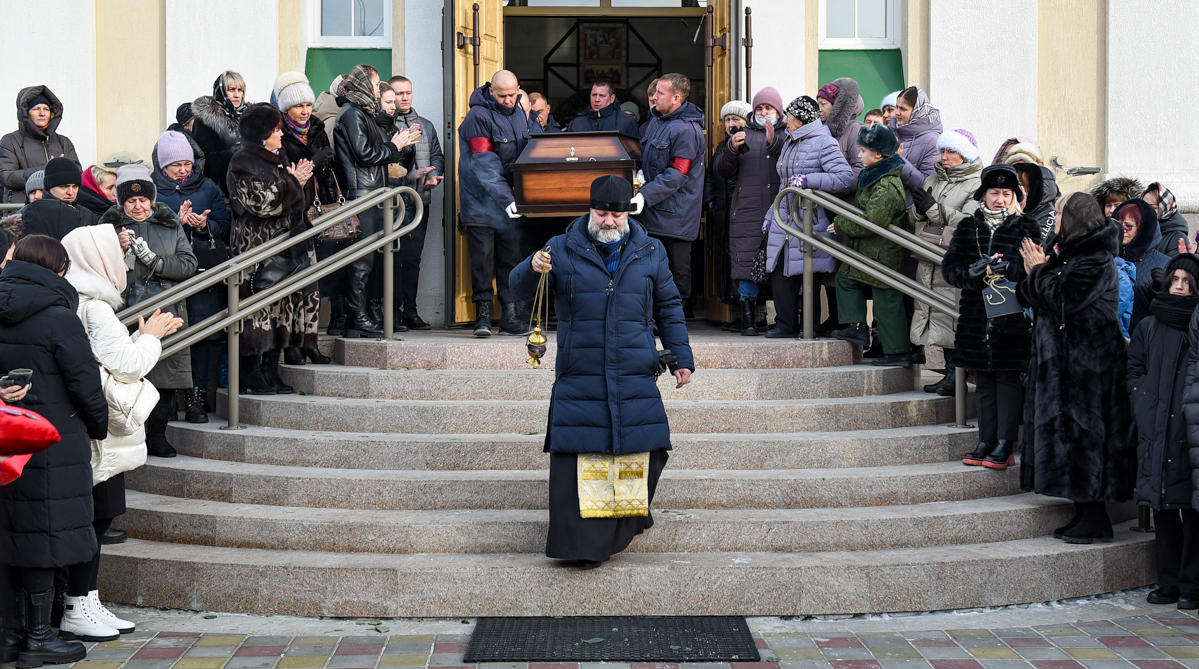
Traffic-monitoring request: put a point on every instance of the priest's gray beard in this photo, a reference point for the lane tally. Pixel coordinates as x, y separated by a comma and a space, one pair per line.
605, 236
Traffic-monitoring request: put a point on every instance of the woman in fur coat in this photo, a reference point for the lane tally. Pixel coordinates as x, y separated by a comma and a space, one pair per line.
1079, 440
215, 130
995, 348
267, 199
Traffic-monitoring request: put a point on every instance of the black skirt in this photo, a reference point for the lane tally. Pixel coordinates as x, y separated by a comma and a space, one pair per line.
108, 498
572, 537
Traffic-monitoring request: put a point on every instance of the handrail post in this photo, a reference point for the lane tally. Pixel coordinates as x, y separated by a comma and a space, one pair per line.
232, 284
388, 273
809, 213
959, 398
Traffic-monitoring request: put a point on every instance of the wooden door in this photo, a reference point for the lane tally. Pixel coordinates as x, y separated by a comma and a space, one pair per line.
719, 92
490, 59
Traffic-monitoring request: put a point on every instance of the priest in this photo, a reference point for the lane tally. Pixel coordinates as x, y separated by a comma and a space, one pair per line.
608, 435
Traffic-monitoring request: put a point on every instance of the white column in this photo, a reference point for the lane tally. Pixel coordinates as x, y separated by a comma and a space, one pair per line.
983, 68
59, 53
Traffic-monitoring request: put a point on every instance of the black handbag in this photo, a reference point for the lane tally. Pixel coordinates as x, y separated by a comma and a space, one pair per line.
277, 267
757, 272
999, 297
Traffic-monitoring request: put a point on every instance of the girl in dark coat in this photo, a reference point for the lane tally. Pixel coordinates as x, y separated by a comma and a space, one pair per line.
1078, 434
750, 157
268, 201
46, 515
995, 348
1142, 234
1157, 375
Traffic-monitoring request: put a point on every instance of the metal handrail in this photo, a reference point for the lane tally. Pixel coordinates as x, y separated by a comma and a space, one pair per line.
230, 319
860, 262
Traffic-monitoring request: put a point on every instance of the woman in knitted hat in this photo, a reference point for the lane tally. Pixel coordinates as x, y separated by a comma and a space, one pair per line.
887, 106
160, 256
1079, 438
840, 105
750, 157
946, 198
809, 158
304, 138
1158, 356
268, 201
215, 128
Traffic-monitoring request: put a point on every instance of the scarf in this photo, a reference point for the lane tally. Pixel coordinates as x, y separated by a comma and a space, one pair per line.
1174, 310
356, 87
300, 132
96, 250
610, 252
1167, 204
89, 182
873, 174
219, 97
993, 219
924, 108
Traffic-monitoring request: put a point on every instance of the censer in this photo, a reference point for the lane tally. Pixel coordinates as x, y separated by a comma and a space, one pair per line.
536, 340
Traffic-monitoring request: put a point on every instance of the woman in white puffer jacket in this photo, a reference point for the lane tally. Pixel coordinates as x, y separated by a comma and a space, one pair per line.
97, 272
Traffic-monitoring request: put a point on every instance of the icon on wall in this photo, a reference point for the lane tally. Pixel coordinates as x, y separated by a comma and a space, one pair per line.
602, 51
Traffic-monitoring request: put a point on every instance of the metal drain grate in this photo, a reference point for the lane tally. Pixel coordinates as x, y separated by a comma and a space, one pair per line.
614, 639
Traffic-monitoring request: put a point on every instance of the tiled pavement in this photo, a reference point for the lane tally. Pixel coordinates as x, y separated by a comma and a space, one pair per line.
1168, 640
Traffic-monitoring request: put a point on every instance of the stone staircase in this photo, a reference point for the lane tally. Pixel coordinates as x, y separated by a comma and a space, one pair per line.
409, 481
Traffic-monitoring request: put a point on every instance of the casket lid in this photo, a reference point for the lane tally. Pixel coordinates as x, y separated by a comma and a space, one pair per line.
583, 147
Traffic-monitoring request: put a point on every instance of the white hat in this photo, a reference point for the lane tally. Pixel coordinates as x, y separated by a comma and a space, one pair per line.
291, 89
737, 107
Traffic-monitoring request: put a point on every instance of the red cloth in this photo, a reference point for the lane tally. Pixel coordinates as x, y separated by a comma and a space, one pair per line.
11, 469
89, 182
480, 144
681, 164
23, 432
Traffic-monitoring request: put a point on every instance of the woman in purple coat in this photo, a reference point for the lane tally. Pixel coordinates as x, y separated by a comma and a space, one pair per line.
810, 158
917, 124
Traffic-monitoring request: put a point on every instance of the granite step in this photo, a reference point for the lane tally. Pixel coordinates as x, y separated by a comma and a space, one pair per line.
207, 523
315, 412
237, 482
524, 384
448, 585
712, 350
358, 450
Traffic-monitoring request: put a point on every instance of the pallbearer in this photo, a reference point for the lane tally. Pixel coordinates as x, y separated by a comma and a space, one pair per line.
608, 434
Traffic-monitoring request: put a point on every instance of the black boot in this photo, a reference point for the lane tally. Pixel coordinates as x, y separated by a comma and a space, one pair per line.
854, 333
337, 316
511, 324
195, 406
42, 645
252, 382
293, 356
1002, 457
413, 321
12, 615
375, 310
270, 372
918, 355
1095, 524
156, 427
359, 325
749, 319
1057, 533
875, 348
315, 355
397, 321
893, 360
946, 386
482, 319
976, 457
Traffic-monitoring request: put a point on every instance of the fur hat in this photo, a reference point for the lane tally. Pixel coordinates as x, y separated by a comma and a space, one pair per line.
961, 142
736, 108
291, 89
999, 176
611, 193
34, 182
880, 138
804, 109
134, 181
173, 147
258, 122
60, 172
891, 100
1126, 187
767, 96
829, 92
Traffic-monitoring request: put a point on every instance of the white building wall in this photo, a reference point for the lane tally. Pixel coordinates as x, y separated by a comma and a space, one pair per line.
983, 68
59, 54
1152, 70
203, 39
778, 48
422, 58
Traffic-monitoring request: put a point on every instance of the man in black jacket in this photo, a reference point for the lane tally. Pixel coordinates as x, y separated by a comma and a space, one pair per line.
423, 176
56, 214
604, 113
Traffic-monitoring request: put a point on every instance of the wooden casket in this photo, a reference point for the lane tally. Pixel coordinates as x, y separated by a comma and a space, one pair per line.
553, 176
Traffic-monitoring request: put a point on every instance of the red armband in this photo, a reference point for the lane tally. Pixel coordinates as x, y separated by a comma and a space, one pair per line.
480, 144
681, 164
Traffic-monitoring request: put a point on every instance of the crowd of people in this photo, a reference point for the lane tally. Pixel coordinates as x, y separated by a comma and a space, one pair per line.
1076, 311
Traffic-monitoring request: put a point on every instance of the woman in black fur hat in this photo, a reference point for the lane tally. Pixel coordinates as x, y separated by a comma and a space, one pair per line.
1079, 440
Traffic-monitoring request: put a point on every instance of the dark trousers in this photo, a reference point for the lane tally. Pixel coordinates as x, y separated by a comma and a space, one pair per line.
493, 254
1178, 552
787, 290
678, 253
83, 578
406, 278
337, 285
1000, 404
893, 323
202, 359
357, 297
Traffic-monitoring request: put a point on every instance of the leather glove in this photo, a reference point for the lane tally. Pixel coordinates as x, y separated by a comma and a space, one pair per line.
321, 157
638, 203
923, 199
511, 210
143, 253
798, 181
1157, 276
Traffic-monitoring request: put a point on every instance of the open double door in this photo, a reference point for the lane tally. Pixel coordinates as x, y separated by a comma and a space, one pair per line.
473, 51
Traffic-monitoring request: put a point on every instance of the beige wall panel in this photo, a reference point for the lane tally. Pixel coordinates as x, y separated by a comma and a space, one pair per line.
1071, 86
915, 44
130, 77
398, 20
811, 47
292, 36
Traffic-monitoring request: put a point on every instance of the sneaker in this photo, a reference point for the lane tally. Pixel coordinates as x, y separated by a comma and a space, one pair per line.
105, 616
893, 360
80, 622
854, 333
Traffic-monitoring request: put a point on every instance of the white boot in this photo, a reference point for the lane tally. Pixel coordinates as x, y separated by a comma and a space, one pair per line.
79, 622
105, 616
